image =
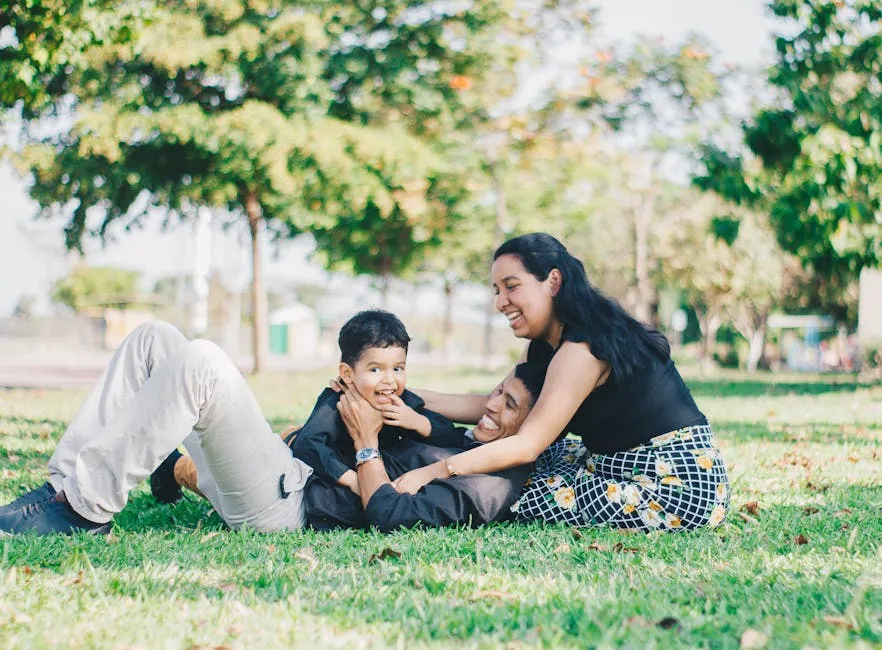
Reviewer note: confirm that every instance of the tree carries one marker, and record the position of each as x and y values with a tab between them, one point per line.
294	118
91	287
45	40
813	158
654	99
729	268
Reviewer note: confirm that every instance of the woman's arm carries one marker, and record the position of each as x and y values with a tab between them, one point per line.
467	409
572	375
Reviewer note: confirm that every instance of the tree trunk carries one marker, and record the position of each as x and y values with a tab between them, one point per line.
501	213
757	344
447	323
644	290
259	334
709	324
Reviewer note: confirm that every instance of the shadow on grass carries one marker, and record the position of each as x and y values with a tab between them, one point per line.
815	432
769	387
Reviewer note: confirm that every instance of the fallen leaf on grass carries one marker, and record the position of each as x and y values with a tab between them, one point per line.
816	487
668	623
800	539
853	459
809	510
598	547
752	639
838	621
308	556
563	548
385	554
492	593
752	507
208	536
577	534
748	518
852	538
620	548
844	511
636	621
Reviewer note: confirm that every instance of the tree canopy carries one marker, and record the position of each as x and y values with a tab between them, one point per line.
813	157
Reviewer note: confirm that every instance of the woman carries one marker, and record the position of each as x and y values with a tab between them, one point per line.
648	458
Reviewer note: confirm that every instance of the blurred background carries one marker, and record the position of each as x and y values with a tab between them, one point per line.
255	171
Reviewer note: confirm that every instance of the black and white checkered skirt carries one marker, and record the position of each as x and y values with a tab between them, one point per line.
676	481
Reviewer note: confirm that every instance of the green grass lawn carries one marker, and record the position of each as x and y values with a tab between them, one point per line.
797	564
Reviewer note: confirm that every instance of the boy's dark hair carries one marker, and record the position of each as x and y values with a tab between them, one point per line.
533	377
372	328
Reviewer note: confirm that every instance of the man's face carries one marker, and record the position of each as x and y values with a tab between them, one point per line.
505	410
378	374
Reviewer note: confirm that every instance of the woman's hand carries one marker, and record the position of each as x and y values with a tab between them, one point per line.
399	414
414	480
363	421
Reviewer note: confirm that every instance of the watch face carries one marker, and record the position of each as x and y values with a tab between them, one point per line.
366	454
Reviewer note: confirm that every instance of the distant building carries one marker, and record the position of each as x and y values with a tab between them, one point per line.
870	308
294	331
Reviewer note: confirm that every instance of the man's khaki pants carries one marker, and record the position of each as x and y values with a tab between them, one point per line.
159	391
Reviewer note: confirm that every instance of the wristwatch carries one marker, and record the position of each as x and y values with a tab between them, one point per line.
364	455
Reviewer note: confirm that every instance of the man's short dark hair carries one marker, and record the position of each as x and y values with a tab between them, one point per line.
533	377
372	328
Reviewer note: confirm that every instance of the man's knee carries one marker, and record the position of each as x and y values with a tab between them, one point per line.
158	330
207	354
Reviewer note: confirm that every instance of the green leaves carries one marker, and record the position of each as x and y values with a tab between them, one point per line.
818	147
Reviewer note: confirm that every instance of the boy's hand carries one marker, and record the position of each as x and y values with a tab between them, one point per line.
350	480
401	415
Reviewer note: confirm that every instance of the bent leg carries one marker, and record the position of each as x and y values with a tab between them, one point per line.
141	352
247	472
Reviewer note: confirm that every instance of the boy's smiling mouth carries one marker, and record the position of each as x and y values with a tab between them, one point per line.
384	396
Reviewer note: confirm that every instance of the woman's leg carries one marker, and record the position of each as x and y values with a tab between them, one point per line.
678	485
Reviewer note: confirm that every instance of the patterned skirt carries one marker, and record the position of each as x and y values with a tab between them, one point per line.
676	481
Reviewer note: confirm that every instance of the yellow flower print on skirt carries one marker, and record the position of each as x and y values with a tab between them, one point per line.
565	497
673	483
717	515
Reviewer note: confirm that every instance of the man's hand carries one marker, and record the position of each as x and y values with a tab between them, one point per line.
401	415
414	480
363	421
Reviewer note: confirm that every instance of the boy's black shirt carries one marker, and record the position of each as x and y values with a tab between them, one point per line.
325	445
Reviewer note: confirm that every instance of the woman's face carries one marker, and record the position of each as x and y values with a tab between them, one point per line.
526	301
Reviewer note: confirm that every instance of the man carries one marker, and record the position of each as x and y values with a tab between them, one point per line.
371	500
159	391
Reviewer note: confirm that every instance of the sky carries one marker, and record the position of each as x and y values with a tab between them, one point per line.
32	255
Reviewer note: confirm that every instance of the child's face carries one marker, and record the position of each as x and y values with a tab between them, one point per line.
378	374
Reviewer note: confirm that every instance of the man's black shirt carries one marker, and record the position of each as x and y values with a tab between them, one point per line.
325	445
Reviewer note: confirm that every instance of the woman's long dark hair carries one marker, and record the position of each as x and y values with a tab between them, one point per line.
614	335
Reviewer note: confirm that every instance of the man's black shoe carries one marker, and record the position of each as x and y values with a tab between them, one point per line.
163	484
49	517
42	493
